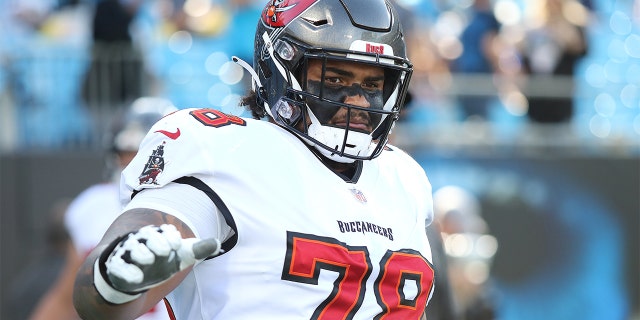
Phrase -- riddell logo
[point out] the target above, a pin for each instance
(375, 49)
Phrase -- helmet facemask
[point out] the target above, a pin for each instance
(322, 91)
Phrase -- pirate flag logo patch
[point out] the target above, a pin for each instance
(153, 167)
(278, 13)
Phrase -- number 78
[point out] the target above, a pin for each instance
(308, 254)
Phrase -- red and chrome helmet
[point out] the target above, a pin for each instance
(291, 33)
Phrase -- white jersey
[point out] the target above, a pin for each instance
(87, 219)
(90, 214)
(307, 243)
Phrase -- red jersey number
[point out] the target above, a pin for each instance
(308, 254)
(216, 118)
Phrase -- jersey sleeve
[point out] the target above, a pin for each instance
(179, 145)
(192, 208)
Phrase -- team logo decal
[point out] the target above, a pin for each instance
(278, 13)
(154, 166)
(358, 195)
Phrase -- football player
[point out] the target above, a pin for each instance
(469, 251)
(304, 212)
(93, 210)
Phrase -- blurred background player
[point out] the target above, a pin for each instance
(469, 250)
(441, 306)
(91, 212)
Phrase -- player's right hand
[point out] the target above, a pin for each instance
(146, 258)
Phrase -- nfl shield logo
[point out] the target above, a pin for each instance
(359, 195)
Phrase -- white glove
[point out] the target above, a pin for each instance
(145, 259)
